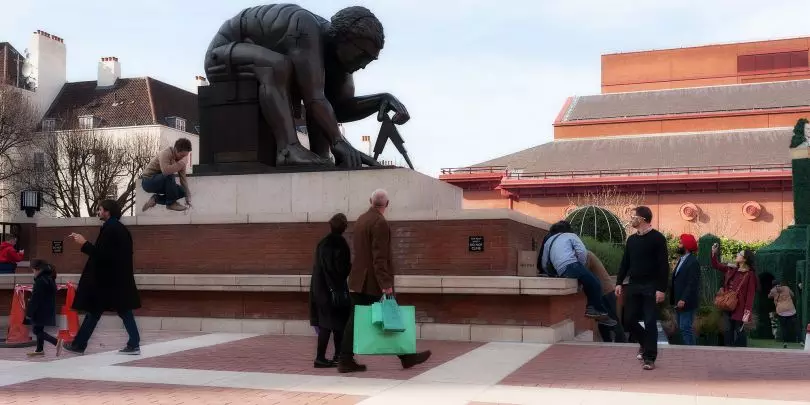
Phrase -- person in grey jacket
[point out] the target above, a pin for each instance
(564, 255)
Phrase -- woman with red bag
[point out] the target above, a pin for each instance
(739, 284)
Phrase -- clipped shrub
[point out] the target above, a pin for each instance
(598, 223)
(610, 254)
(710, 279)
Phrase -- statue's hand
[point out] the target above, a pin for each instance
(390, 103)
(348, 157)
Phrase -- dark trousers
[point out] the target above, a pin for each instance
(323, 342)
(90, 322)
(166, 190)
(8, 268)
(733, 333)
(347, 349)
(641, 306)
(611, 333)
(590, 284)
(42, 337)
(791, 333)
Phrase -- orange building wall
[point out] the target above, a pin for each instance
(693, 67)
(683, 123)
(721, 213)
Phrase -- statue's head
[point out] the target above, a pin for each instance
(357, 36)
(801, 133)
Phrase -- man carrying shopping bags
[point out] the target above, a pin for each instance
(372, 275)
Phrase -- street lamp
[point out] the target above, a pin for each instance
(30, 202)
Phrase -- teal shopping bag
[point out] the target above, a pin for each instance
(377, 313)
(391, 315)
(371, 339)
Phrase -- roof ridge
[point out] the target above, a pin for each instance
(666, 134)
(151, 99)
(763, 84)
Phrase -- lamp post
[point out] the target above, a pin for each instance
(30, 202)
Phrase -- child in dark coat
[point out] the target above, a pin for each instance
(41, 309)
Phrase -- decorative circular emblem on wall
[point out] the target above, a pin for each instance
(751, 210)
(689, 212)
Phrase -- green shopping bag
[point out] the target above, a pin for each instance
(391, 315)
(377, 313)
(371, 339)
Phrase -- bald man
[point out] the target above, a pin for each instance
(372, 275)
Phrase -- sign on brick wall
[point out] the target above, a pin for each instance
(476, 244)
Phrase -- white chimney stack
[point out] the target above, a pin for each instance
(46, 68)
(109, 70)
(200, 81)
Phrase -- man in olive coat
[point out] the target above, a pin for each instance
(107, 282)
(372, 275)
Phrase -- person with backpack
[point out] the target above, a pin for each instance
(564, 255)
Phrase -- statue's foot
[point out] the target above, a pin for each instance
(297, 155)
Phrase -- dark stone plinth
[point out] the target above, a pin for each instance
(232, 130)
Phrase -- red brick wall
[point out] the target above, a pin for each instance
(420, 247)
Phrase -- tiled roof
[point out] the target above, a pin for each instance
(129, 102)
(692, 100)
(705, 149)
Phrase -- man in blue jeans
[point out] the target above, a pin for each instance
(685, 288)
(107, 282)
(564, 255)
(159, 177)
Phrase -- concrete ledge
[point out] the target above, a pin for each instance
(189, 218)
(495, 285)
(564, 331)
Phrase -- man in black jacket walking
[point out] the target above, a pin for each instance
(685, 289)
(646, 264)
(107, 282)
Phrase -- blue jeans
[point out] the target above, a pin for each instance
(166, 190)
(8, 268)
(90, 322)
(686, 325)
(590, 284)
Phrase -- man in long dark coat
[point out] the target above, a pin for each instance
(107, 282)
(329, 303)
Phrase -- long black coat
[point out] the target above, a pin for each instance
(686, 284)
(41, 309)
(332, 266)
(108, 282)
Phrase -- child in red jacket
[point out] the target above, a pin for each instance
(9, 256)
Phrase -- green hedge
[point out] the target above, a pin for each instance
(609, 253)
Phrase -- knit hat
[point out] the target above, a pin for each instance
(689, 243)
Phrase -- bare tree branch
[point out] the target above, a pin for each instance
(18, 122)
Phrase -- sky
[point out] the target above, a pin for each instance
(481, 79)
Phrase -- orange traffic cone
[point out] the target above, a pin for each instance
(71, 316)
(17, 332)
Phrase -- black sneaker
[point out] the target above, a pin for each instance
(130, 351)
(648, 365)
(323, 363)
(72, 349)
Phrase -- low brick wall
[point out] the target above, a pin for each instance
(438, 247)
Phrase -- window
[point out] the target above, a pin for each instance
(177, 123)
(772, 61)
(87, 122)
(49, 124)
(38, 160)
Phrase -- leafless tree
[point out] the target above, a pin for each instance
(80, 168)
(611, 198)
(18, 122)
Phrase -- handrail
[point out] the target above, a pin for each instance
(474, 170)
(659, 171)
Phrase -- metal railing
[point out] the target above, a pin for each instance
(653, 172)
(475, 170)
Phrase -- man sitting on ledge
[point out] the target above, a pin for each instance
(158, 177)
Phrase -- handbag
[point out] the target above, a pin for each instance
(338, 299)
(727, 299)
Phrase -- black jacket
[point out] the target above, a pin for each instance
(332, 267)
(108, 281)
(685, 284)
(41, 309)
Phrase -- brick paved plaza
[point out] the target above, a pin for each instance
(220, 368)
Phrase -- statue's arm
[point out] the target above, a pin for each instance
(349, 108)
(307, 59)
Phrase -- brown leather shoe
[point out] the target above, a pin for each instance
(350, 366)
(410, 360)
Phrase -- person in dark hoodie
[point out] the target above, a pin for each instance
(329, 302)
(41, 309)
(9, 256)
